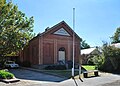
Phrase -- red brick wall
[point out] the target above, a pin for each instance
(33, 51)
(48, 53)
(44, 49)
(62, 41)
(30, 52)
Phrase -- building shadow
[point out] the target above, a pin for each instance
(37, 76)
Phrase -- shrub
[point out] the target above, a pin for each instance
(70, 64)
(112, 58)
(56, 67)
(97, 60)
(6, 75)
(26, 64)
(91, 60)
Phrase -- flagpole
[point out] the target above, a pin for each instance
(73, 68)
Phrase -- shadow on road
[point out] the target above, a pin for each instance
(32, 75)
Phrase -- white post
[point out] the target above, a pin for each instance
(73, 40)
(79, 69)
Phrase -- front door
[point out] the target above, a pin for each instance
(61, 54)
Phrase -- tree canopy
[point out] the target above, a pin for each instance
(116, 37)
(2, 2)
(84, 45)
(15, 28)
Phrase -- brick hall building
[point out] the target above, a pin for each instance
(51, 46)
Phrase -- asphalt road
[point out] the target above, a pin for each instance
(31, 78)
(115, 83)
(104, 79)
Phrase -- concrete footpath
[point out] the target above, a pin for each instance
(105, 79)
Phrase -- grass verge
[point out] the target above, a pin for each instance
(89, 67)
(62, 73)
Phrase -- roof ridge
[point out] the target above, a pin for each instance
(41, 34)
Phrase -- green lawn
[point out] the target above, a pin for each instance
(67, 73)
(89, 67)
(62, 73)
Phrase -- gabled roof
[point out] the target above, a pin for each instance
(62, 22)
(87, 51)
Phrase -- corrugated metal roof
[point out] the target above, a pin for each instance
(87, 51)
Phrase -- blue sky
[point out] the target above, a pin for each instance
(95, 20)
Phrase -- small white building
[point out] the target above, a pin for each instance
(117, 45)
(87, 53)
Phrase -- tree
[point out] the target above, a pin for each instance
(116, 37)
(108, 60)
(112, 56)
(84, 45)
(15, 29)
(2, 2)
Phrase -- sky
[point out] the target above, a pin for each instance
(95, 20)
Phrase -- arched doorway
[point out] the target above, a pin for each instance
(61, 54)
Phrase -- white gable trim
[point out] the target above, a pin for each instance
(62, 31)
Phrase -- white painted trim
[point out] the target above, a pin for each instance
(62, 31)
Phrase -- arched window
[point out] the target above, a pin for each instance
(62, 49)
